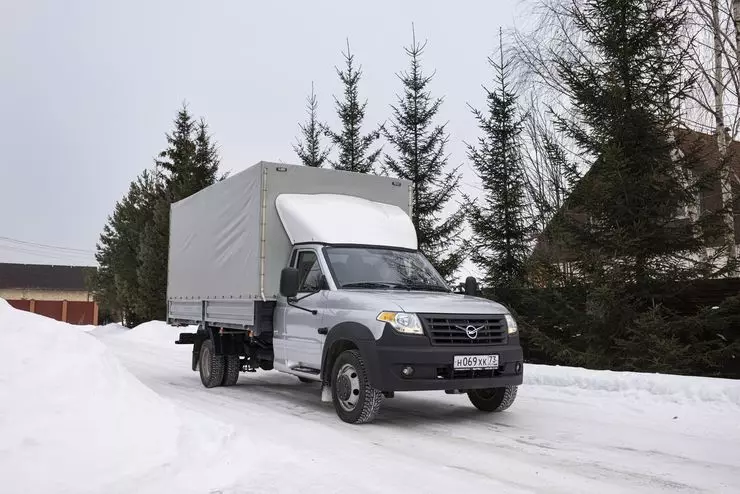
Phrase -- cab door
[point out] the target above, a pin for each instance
(303, 343)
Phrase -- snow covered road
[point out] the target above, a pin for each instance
(118, 411)
(281, 438)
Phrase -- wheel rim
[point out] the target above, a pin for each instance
(205, 363)
(348, 387)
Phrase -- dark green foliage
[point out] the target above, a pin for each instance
(354, 148)
(629, 254)
(191, 159)
(662, 338)
(133, 248)
(419, 146)
(501, 235)
(151, 302)
(116, 283)
(626, 96)
(310, 151)
(189, 164)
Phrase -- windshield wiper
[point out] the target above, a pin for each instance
(422, 286)
(367, 284)
(396, 286)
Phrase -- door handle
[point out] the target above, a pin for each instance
(323, 330)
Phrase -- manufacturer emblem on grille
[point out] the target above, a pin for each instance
(470, 330)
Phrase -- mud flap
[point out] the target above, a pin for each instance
(325, 393)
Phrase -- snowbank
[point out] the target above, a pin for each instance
(152, 333)
(72, 419)
(664, 386)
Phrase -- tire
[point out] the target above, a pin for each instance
(211, 366)
(306, 381)
(355, 400)
(231, 370)
(493, 399)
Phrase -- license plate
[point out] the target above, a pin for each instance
(476, 361)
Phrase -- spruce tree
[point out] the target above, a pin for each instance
(501, 235)
(310, 151)
(152, 256)
(354, 147)
(629, 250)
(420, 157)
(133, 248)
(205, 167)
(189, 164)
(116, 284)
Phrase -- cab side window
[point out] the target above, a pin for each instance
(309, 271)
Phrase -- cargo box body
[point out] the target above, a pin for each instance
(228, 245)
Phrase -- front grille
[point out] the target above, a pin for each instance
(445, 329)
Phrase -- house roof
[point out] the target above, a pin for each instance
(705, 145)
(44, 277)
(706, 153)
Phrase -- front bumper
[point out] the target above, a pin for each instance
(433, 365)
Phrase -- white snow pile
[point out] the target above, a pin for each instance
(668, 387)
(72, 419)
(157, 333)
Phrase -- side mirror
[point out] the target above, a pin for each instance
(289, 282)
(471, 286)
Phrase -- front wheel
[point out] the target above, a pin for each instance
(493, 399)
(355, 400)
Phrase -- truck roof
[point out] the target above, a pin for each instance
(344, 219)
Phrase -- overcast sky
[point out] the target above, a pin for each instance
(89, 89)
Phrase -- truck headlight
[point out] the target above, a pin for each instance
(402, 322)
(511, 324)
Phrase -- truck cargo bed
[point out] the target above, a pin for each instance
(234, 314)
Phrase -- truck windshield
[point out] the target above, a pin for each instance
(379, 268)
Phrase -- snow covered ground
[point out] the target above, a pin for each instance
(114, 410)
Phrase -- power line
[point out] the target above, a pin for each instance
(50, 254)
(47, 246)
(57, 256)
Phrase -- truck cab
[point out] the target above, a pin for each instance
(369, 320)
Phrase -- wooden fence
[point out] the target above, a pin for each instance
(84, 313)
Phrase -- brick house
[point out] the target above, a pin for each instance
(59, 292)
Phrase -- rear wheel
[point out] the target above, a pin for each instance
(231, 370)
(493, 399)
(211, 366)
(355, 400)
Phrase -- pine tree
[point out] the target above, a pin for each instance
(354, 148)
(419, 147)
(310, 151)
(501, 237)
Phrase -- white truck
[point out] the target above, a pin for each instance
(317, 273)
